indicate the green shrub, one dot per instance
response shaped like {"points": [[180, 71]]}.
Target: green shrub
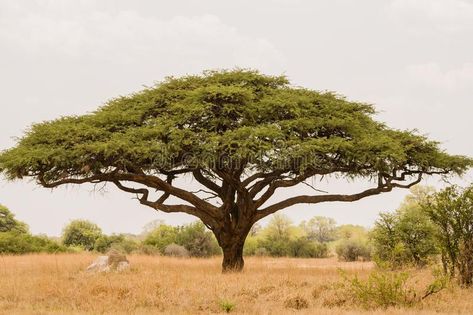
{"points": [[305, 248], [407, 236], [22, 243], [194, 237], [104, 243], [451, 210], [81, 233], [226, 306], [381, 289], [353, 250], [161, 237], [8, 223], [251, 245], [143, 249], [199, 241]]}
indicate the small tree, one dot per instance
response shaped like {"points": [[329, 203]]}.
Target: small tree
{"points": [[406, 236], [199, 241], [353, 249], [115, 241], [241, 135], [162, 236], [8, 223], [277, 235], [81, 233], [452, 211], [321, 229]]}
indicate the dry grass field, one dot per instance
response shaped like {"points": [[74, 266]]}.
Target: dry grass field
{"points": [[58, 284]]}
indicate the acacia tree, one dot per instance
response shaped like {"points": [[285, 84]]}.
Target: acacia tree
{"points": [[241, 135]]}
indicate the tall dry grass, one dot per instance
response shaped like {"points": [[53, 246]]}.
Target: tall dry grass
{"points": [[58, 284]]}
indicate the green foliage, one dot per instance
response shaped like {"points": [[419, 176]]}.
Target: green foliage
{"points": [[120, 242], [194, 237], [222, 126], [281, 238], [406, 237], [350, 231], [8, 223], [241, 114], [305, 248], [451, 210], [81, 233], [227, 306], [251, 246], [21, 243], [276, 235], [162, 236], [382, 289], [16, 239], [197, 240], [321, 229], [353, 249]]}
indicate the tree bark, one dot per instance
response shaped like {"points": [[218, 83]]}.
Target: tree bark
{"points": [[232, 241], [233, 257]]}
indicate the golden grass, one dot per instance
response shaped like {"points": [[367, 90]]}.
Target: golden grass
{"points": [[58, 284]]}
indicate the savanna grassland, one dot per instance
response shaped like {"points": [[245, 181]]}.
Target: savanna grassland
{"points": [[58, 284]]}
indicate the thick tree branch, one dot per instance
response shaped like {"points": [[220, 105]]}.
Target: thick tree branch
{"points": [[382, 187], [159, 204], [206, 182], [146, 180]]}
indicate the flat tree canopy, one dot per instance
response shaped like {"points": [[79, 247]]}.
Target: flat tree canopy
{"points": [[242, 135]]}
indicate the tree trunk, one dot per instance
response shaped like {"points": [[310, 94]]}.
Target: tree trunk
{"points": [[232, 241], [233, 257]]}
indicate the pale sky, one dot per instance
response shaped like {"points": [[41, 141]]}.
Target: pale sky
{"points": [[413, 59]]}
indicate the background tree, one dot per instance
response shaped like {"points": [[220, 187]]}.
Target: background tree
{"points": [[452, 212], [162, 236], [8, 223], [81, 233], [197, 240], [241, 135], [321, 229], [15, 237], [277, 235], [406, 236]]}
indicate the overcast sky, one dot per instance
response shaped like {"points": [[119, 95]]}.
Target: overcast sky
{"points": [[413, 59]]}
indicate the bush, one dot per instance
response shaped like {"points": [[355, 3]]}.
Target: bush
{"points": [[320, 229], [143, 249], [81, 233], [251, 245], [381, 289], [22, 243], [197, 240], [119, 242], [227, 306], [8, 223], [406, 237], [176, 251], [161, 237], [451, 210], [195, 237], [352, 250], [305, 248]]}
